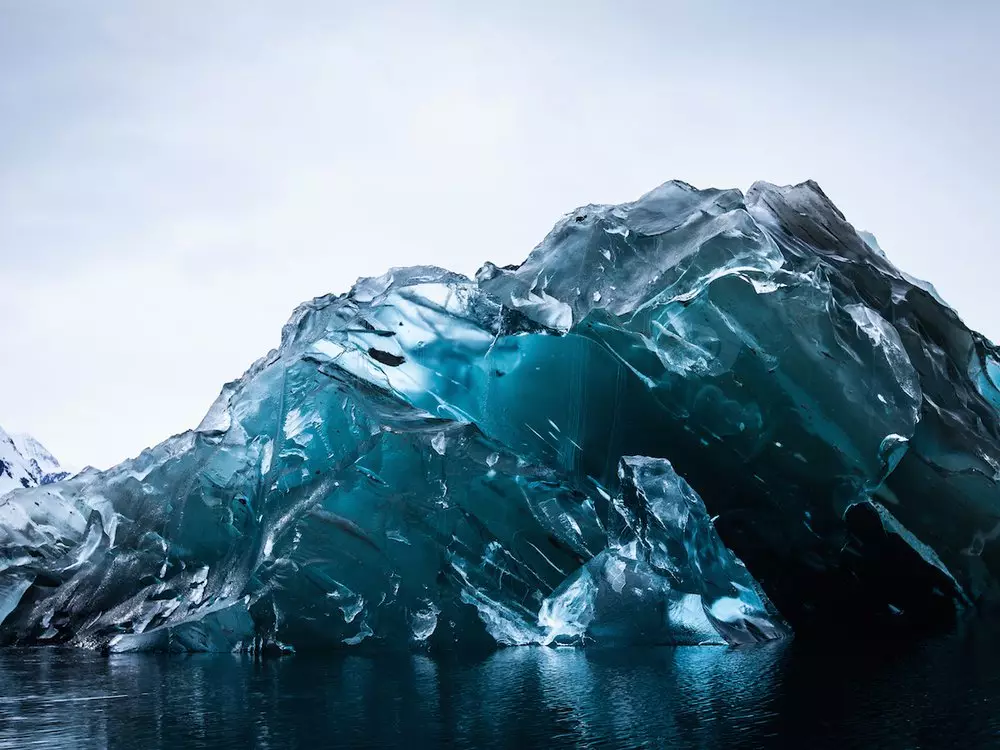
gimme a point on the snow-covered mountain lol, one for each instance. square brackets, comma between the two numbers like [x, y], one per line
[25, 462]
[44, 465]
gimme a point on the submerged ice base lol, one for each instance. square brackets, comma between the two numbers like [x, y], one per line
[431, 459]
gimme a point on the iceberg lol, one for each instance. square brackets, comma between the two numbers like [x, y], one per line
[701, 417]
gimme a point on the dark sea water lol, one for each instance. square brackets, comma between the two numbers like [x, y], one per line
[943, 692]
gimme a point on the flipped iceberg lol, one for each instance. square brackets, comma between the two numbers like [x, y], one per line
[434, 459]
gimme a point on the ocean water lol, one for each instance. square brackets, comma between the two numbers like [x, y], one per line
[941, 692]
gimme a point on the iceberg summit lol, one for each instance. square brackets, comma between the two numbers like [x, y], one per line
[701, 417]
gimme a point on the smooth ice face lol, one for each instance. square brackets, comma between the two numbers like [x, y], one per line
[665, 577]
[430, 459]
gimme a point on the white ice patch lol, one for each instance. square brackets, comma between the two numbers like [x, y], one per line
[424, 621]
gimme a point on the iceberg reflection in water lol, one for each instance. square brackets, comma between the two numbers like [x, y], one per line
[797, 694]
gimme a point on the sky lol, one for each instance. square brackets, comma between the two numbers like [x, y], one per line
[175, 177]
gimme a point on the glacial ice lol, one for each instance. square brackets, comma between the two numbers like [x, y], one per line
[439, 461]
[665, 577]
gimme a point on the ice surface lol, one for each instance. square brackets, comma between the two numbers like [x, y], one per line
[666, 577]
[433, 460]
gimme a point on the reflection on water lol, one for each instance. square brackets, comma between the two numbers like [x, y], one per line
[934, 694]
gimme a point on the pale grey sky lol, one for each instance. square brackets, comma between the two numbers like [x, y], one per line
[176, 176]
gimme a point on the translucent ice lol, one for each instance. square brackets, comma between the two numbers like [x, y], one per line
[430, 459]
[666, 576]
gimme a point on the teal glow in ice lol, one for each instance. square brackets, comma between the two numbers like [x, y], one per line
[665, 577]
[432, 460]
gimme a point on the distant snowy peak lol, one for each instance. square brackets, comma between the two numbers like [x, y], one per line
[25, 462]
[15, 471]
[44, 463]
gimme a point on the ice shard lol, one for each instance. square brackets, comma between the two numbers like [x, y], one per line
[665, 578]
[433, 460]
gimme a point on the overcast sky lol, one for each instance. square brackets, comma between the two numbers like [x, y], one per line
[176, 176]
